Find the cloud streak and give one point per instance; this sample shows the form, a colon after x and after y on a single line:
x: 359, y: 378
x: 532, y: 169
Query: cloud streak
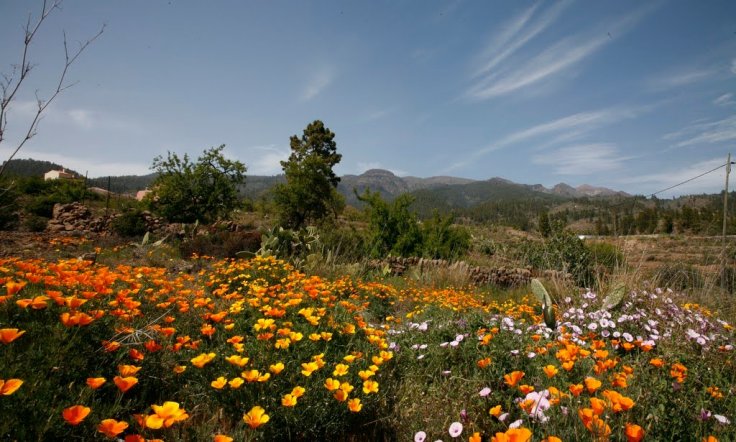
x: 724, y: 100
x: 680, y: 77
x: 265, y: 160
x: 582, y: 159
x: 318, y: 83
x: 703, y: 133
x: 710, y: 183
x: 525, y: 71
x: 562, y: 130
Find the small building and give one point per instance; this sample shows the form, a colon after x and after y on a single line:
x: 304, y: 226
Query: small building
x: 142, y: 194
x: 57, y: 175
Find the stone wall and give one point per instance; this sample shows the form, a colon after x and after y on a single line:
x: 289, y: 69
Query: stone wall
x: 501, y: 276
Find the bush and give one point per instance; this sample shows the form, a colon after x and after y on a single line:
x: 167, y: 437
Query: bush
x: 442, y: 240
x: 221, y: 244
x: 564, y: 252
x: 35, y: 223
x: 130, y: 223
x: 345, y: 243
x: 8, y: 206
x: 679, y: 277
x: 606, y: 255
x: 186, y: 191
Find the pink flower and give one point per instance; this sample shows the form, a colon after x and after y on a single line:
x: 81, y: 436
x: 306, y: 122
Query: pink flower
x: 456, y: 428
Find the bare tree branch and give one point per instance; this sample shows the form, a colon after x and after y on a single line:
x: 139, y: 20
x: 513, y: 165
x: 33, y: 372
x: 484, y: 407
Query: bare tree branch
x: 10, y: 85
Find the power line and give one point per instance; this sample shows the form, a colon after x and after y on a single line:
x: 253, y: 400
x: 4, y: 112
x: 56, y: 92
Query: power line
x: 688, y: 180
x: 672, y: 187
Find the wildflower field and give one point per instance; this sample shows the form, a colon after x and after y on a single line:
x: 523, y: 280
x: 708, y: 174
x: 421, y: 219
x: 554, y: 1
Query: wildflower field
x: 256, y: 350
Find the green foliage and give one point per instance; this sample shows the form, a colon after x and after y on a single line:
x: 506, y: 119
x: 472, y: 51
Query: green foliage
x: 41, y: 196
x: 563, y: 251
x: 130, y: 223
x: 393, y: 228
x: 8, y: 205
x: 606, y: 255
x: 679, y: 276
x: 33, y: 168
x: 206, y: 190
x: 310, y: 192
x: 35, y: 223
x: 443, y: 240
x: 544, y: 226
x: 344, y: 242
x: 222, y: 244
x: 292, y: 245
x: 614, y: 297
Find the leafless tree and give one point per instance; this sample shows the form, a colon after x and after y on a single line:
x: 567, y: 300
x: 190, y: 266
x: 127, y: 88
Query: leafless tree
x: 11, y: 83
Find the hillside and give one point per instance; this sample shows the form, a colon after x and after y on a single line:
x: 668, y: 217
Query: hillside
x: 30, y: 167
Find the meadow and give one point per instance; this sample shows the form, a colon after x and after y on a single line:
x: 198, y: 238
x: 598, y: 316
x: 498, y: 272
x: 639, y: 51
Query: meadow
x: 254, y: 349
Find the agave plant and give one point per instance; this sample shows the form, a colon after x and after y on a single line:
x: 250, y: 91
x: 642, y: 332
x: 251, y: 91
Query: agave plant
x: 548, y: 311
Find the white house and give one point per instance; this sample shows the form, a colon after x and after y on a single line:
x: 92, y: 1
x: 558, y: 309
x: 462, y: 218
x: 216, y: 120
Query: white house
x: 57, y: 174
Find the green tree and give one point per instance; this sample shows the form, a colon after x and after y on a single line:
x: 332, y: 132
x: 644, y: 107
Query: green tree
x: 443, y: 240
x: 393, y: 228
x: 185, y: 191
x: 310, y: 191
x: 544, y: 227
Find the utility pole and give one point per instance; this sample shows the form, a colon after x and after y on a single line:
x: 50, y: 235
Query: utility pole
x: 725, y: 217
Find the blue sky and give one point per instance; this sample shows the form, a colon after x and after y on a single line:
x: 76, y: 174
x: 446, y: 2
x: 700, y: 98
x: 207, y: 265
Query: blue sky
x: 631, y: 95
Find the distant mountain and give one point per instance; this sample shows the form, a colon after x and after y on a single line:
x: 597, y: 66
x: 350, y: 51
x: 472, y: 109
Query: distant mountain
x: 439, y: 191
x: 30, y: 167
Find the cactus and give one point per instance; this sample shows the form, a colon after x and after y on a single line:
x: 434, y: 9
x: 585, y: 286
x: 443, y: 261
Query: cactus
x: 549, y: 316
x: 540, y: 292
x: 614, y: 296
x: 548, y: 311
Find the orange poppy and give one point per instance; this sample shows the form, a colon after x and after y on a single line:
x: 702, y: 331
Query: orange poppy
x: 75, y: 415
x: 126, y: 383
x: 111, y: 427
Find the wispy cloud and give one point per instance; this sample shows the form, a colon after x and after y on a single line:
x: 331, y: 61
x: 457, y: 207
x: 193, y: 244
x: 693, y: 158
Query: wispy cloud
x: 710, y: 183
x: 681, y: 77
x: 548, y: 64
x: 562, y: 130
x: 517, y: 32
x: 724, y: 100
x: 705, y: 132
x: 582, y: 159
x: 318, y: 83
x: 265, y: 160
x: 570, y: 127
x: 376, y: 115
x: 87, y: 119
x: 733, y: 66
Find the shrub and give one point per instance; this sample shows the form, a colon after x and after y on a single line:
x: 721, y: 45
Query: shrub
x: 130, y: 223
x: 8, y: 206
x: 344, y: 243
x: 606, y: 255
x: 564, y: 252
x: 35, y: 223
x: 442, y: 240
x: 222, y: 244
x: 679, y: 277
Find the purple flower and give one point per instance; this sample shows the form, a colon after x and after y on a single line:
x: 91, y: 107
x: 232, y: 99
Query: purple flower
x: 485, y: 392
x: 464, y: 415
x: 420, y: 436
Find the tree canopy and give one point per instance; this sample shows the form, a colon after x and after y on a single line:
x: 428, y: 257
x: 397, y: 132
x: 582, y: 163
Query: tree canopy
x: 310, y: 191
x: 185, y: 191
